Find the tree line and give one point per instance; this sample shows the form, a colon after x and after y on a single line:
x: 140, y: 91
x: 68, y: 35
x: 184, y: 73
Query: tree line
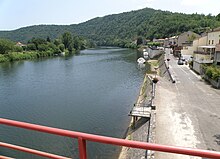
x: 39, y: 47
x: 124, y: 28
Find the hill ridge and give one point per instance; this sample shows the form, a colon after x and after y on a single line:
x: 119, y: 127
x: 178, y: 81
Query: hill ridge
x: 110, y: 29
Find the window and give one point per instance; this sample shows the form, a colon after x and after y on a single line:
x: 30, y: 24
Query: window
x: 209, y: 41
x: 212, y: 41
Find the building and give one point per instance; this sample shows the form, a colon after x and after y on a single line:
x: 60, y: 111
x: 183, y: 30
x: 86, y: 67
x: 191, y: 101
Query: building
x: 217, y: 54
x: 207, y: 50
x: 20, y: 44
x: 214, y: 37
x: 186, y: 38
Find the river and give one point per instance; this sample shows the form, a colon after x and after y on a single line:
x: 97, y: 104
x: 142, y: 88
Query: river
x: 91, y: 92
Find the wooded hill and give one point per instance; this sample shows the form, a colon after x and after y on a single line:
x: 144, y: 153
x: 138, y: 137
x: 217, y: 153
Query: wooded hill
x: 119, y: 29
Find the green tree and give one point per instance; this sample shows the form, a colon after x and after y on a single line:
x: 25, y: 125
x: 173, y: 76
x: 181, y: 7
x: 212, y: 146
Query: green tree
x: 61, y: 47
x: 6, y: 46
x: 31, y: 47
x: 218, y: 17
x: 48, y: 39
x: 57, y: 42
x: 139, y: 41
x: 43, y: 47
x: 38, y: 41
x: 18, y: 49
x: 67, y: 40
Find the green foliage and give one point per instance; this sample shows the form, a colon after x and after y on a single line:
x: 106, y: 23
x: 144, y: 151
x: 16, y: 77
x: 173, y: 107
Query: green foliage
x: 57, y: 42
x: 38, y: 47
x: 6, y: 46
x: 48, y: 39
x: 31, y: 47
x: 37, y: 42
x: 118, y: 29
x: 43, y: 47
x: 17, y: 49
x: 15, y: 56
x: 218, y: 17
x: 61, y: 47
x: 139, y: 40
x: 153, y: 44
x: 4, y: 58
x: 213, y: 72
x: 67, y: 40
x: 72, y: 43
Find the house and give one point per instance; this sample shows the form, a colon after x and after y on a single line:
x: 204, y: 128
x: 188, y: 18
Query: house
x: 20, y: 44
x: 214, y: 37
x: 186, y: 38
x: 217, y: 54
x: 188, y: 51
x: 207, y: 51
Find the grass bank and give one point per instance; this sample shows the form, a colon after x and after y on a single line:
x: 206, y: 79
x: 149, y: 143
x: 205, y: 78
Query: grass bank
x: 27, y: 55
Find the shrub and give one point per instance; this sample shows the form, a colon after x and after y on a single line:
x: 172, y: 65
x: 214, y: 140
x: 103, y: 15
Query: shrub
x: 213, y: 72
x: 4, y: 58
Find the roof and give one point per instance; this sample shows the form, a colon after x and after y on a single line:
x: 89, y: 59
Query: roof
x: 207, y: 47
x: 216, y: 29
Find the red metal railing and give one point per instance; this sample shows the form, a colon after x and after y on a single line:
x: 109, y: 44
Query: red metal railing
x: 83, y: 137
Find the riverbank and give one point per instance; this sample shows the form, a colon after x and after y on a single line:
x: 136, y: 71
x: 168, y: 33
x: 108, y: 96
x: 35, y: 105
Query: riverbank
x: 141, y: 131
x: 29, y: 55
x: 145, y: 127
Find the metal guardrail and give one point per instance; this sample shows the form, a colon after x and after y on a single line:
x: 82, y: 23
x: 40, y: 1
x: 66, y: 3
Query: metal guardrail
x: 170, y: 75
x: 83, y: 137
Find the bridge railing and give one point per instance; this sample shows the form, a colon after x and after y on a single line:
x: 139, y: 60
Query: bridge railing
x: 83, y: 137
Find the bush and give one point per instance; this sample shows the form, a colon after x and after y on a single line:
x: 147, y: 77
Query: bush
x: 14, y: 56
x: 213, y: 72
x: 31, y: 47
x: 43, y: 47
x: 18, y: 49
x: 4, y: 58
x: 208, y: 72
x: 5, y: 46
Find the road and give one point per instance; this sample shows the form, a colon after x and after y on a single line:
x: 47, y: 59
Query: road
x: 188, y: 111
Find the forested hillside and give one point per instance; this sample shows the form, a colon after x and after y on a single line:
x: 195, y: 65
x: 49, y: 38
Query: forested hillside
x: 119, y: 29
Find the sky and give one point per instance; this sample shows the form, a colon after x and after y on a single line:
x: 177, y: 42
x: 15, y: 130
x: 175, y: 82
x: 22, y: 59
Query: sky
x: 15, y: 14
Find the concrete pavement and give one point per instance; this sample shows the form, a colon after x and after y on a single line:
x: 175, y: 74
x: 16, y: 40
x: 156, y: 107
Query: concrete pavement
x: 188, y: 112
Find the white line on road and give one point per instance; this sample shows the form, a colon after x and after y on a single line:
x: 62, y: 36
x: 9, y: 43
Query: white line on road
x: 183, y: 70
x: 197, y: 76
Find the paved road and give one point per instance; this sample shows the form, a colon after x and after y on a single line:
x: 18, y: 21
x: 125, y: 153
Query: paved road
x: 188, y: 112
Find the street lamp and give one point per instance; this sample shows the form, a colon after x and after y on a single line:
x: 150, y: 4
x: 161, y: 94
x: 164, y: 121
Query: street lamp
x: 154, y: 80
x: 168, y: 63
x: 155, y: 68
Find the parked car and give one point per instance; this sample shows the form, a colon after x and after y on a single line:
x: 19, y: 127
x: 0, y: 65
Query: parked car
x: 180, y: 62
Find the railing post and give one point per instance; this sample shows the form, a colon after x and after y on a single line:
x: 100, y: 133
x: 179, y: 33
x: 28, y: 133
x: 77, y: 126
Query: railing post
x: 82, y: 148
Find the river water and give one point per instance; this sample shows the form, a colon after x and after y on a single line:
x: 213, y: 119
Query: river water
x: 91, y: 92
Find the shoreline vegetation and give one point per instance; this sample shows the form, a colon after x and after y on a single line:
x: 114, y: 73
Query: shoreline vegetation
x: 36, y: 48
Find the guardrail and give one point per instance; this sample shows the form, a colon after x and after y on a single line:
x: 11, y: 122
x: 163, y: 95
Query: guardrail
x: 170, y: 75
x: 83, y: 137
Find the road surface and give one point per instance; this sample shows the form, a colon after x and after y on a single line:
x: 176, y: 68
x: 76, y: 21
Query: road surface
x: 188, y: 111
